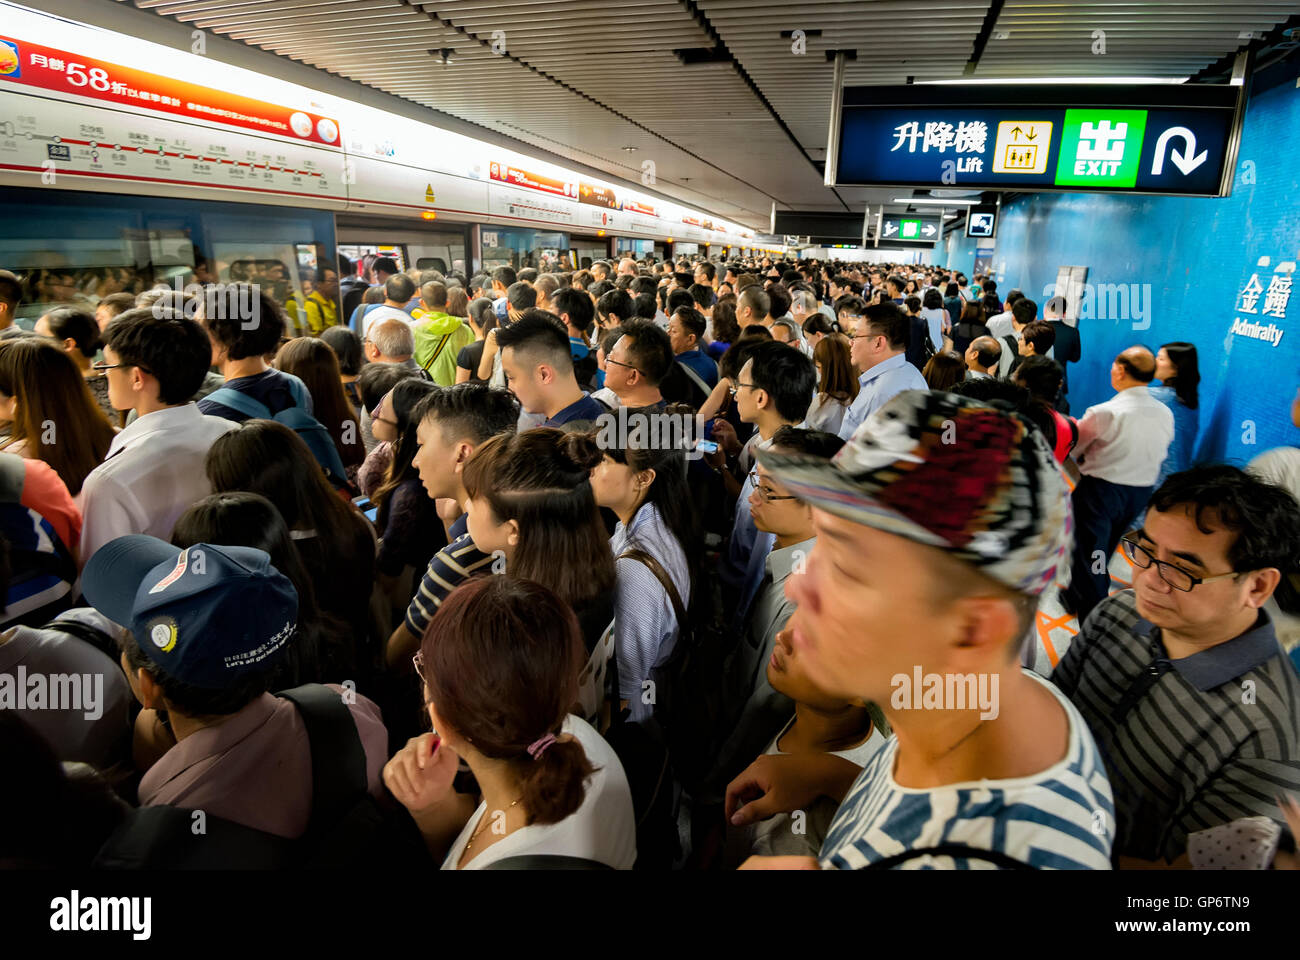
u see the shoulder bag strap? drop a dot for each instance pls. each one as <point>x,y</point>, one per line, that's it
<point>639,555</point>
<point>242,402</point>
<point>338,761</point>
<point>437,351</point>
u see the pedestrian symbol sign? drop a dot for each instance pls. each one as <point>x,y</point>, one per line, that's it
<point>1101,148</point>
<point>1022,146</point>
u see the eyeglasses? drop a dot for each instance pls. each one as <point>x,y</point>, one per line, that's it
<point>1175,576</point>
<point>622,364</point>
<point>417,661</point>
<point>765,494</point>
<point>735,388</point>
<point>102,365</point>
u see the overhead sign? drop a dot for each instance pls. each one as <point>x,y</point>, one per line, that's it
<point>981,222</point>
<point>909,230</point>
<point>1170,139</point>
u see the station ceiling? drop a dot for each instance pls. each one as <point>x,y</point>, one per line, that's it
<point>714,92</point>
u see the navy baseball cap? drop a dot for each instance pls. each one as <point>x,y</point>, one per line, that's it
<point>207,615</point>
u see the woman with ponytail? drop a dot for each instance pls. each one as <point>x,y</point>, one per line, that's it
<point>531,505</point>
<point>77,332</point>
<point>499,663</point>
<point>657,546</point>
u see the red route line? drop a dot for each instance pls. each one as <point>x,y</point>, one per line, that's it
<point>192,183</point>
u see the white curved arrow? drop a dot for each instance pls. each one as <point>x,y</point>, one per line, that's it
<point>1186,162</point>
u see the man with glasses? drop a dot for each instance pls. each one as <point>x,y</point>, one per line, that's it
<point>638,363</point>
<point>879,350</point>
<point>1194,705</point>
<point>154,468</point>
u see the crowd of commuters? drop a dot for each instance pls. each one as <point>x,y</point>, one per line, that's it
<point>697,564</point>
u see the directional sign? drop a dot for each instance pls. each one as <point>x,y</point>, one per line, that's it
<point>1173,139</point>
<point>909,230</point>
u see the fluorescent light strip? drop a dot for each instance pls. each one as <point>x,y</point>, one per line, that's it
<point>989,81</point>
<point>936,202</point>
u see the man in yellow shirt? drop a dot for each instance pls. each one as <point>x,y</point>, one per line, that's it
<point>310,317</point>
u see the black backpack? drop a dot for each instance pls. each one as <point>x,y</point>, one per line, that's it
<point>348,828</point>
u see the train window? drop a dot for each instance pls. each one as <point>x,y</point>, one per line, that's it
<point>77,248</point>
<point>517,247</point>
<point>431,263</point>
<point>587,251</point>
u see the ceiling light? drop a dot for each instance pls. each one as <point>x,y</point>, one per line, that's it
<point>975,81</point>
<point>630,149</point>
<point>933,202</point>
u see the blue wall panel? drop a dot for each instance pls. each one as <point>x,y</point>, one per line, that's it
<point>1196,255</point>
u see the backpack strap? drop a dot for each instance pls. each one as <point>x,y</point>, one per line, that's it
<point>639,555</point>
<point>951,850</point>
<point>437,351</point>
<point>241,402</point>
<point>338,761</point>
<point>696,379</point>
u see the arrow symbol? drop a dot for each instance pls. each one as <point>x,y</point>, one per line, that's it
<point>890,227</point>
<point>928,230</point>
<point>1032,134</point>
<point>1017,131</point>
<point>1185,162</point>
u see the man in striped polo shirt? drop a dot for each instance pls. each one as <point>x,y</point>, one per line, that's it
<point>1193,703</point>
<point>916,597</point>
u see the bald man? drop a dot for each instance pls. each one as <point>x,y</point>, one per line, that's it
<point>1122,444</point>
<point>982,357</point>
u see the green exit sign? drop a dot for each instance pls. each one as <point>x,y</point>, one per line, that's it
<point>1101,148</point>
<point>909,229</point>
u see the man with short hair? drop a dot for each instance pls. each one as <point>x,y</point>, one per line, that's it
<point>600,270</point>
<point>205,626</point>
<point>879,351</point>
<point>1023,312</point>
<point>398,290</point>
<point>538,366</point>
<point>1192,701</point>
<point>311,317</point>
<point>391,341</point>
<point>699,371</point>
<point>503,278</point>
<point>239,351</point>
<point>546,285</point>
<point>1000,325</point>
<point>1122,444</point>
<point>788,332</point>
<point>894,285</point>
<point>613,309</point>
<point>1036,340</point>
<point>639,362</point>
<point>982,357</point>
<point>153,471</point>
<point>706,274</point>
<point>1067,348</point>
<point>451,424</point>
<point>752,306</point>
<point>627,267</point>
<point>773,389</point>
<point>778,306</point>
<point>906,587</point>
<point>439,336</point>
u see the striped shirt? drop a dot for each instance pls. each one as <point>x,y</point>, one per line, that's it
<point>1054,820</point>
<point>645,624</point>
<point>1189,743</point>
<point>450,567</point>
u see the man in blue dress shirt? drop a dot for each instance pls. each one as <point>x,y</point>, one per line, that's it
<point>878,350</point>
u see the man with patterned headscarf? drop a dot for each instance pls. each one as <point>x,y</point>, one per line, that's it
<point>938,525</point>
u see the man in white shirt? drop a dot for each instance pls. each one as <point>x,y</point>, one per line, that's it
<point>1000,325</point>
<point>154,468</point>
<point>878,350</point>
<point>1122,444</point>
<point>397,293</point>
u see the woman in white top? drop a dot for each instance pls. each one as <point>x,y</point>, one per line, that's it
<point>837,386</point>
<point>644,483</point>
<point>500,663</point>
<point>852,730</point>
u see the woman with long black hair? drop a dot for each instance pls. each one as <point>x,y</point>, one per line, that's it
<point>1179,376</point>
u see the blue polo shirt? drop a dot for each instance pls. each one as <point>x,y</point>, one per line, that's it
<point>584,408</point>
<point>702,364</point>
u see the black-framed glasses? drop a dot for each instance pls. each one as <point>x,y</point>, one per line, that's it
<point>622,364</point>
<point>1175,576</point>
<point>765,493</point>
<point>100,366</point>
<point>734,388</point>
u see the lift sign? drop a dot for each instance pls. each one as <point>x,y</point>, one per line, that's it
<point>1111,148</point>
